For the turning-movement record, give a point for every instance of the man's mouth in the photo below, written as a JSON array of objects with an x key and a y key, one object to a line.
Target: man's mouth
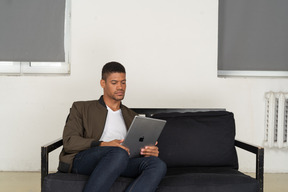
[{"x": 120, "y": 93}]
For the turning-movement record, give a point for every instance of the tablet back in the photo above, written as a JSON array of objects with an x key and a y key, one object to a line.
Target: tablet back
[{"x": 143, "y": 132}]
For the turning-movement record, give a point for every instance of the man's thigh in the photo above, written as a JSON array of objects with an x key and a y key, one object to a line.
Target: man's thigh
[
  {"x": 86, "y": 161},
  {"x": 137, "y": 165}
]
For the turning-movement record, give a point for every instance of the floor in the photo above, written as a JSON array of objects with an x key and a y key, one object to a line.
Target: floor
[{"x": 30, "y": 182}]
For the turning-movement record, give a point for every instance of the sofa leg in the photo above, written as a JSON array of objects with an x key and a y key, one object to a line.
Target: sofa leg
[{"x": 260, "y": 168}]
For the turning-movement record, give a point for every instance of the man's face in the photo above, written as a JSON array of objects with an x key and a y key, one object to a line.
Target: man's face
[{"x": 115, "y": 85}]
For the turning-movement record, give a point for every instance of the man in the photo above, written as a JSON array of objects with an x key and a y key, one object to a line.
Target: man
[{"x": 93, "y": 135}]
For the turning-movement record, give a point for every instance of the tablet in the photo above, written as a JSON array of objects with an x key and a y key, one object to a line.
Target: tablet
[{"x": 143, "y": 131}]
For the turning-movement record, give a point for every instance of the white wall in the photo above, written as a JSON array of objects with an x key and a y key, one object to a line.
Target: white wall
[{"x": 169, "y": 49}]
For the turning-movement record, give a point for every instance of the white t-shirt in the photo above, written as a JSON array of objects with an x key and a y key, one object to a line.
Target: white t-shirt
[{"x": 115, "y": 127}]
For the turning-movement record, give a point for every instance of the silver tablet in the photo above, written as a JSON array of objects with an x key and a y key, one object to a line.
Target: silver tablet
[{"x": 143, "y": 132}]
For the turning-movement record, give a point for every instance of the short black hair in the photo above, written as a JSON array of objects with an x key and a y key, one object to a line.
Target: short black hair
[{"x": 112, "y": 67}]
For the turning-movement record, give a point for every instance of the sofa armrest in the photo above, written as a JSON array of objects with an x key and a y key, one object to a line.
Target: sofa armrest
[
  {"x": 45, "y": 150},
  {"x": 259, "y": 152}
]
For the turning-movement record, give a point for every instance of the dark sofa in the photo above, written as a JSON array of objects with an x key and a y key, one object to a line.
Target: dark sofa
[{"x": 198, "y": 147}]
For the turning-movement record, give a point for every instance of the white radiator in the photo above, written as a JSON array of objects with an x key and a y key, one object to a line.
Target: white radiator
[{"x": 276, "y": 119}]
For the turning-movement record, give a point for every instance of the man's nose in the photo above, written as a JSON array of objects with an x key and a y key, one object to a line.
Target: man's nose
[{"x": 119, "y": 86}]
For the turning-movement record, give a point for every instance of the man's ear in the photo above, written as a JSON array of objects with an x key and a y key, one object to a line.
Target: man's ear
[{"x": 102, "y": 83}]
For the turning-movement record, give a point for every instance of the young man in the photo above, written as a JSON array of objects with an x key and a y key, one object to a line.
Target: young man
[{"x": 93, "y": 135}]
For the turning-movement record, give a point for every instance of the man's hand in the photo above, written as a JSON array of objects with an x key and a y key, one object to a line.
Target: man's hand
[
  {"x": 115, "y": 143},
  {"x": 150, "y": 151}
]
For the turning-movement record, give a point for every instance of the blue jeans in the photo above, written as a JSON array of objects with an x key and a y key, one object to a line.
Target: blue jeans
[{"x": 106, "y": 164}]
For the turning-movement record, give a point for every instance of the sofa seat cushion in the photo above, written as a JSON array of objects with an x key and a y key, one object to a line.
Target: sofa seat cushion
[
  {"x": 69, "y": 182},
  {"x": 196, "y": 179},
  {"x": 65, "y": 182},
  {"x": 207, "y": 179}
]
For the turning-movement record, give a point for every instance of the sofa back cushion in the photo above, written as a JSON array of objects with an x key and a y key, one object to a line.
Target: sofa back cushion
[{"x": 198, "y": 139}]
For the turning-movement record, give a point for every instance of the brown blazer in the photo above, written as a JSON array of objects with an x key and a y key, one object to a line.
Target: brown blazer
[{"x": 84, "y": 128}]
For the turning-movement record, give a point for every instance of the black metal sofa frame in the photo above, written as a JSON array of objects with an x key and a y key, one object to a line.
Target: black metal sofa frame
[{"x": 148, "y": 112}]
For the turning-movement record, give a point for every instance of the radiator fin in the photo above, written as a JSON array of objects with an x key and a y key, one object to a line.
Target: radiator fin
[{"x": 276, "y": 119}]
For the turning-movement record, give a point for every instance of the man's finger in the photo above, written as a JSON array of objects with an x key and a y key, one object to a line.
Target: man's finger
[
  {"x": 150, "y": 151},
  {"x": 125, "y": 148}
]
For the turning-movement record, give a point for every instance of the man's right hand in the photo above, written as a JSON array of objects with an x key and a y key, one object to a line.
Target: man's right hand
[{"x": 115, "y": 143}]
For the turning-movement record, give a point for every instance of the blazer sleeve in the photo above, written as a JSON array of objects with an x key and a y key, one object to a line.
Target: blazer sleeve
[{"x": 73, "y": 134}]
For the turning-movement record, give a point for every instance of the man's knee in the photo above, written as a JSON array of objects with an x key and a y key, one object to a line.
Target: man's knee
[
  {"x": 157, "y": 164},
  {"x": 161, "y": 165},
  {"x": 119, "y": 154}
]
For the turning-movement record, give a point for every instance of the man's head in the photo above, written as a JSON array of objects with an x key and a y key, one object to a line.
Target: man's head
[
  {"x": 113, "y": 82},
  {"x": 112, "y": 67}
]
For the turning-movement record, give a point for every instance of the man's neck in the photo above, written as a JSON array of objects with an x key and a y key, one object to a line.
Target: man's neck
[{"x": 112, "y": 104}]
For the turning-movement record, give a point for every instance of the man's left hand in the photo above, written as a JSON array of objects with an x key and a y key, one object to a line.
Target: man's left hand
[{"x": 150, "y": 151}]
